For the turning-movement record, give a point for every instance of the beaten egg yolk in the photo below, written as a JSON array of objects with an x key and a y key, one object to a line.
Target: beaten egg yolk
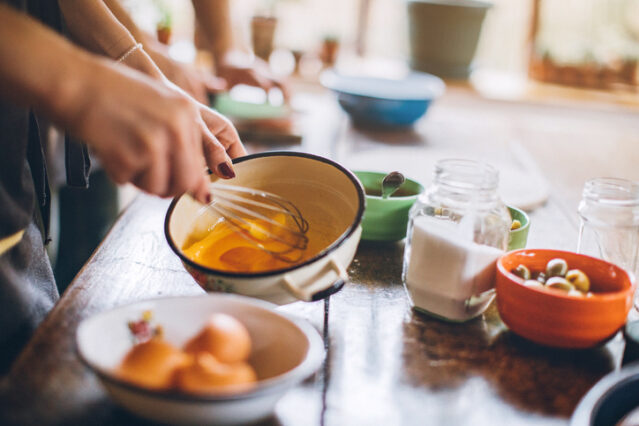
[{"x": 225, "y": 248}]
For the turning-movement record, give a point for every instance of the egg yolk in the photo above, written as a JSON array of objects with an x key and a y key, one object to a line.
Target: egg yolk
[
  {"x": 207, "y": 374},
  {"x": 152, "y": 364},
  {"x": 224, "y": 337},
  {"x": 228, "y": 249}
]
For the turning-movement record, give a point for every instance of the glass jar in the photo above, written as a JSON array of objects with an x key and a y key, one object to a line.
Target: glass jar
[
  {"x": 609, "y": 229},
  {"x": 457, "y": 229}
]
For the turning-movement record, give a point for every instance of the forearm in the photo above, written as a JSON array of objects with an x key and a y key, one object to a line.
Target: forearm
[
  {"x": 154, "y": 48},
  {"x": 39, "y": 68},
  {"x": 122, "y": 15},
  {"x": 92, "y": 24},
  {"x": 214, "y": 20}
]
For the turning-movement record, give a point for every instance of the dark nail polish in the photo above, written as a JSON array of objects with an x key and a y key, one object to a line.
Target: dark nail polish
[
  {"x": 208, "y": 198},
  {"x": 226, "y": 170}
]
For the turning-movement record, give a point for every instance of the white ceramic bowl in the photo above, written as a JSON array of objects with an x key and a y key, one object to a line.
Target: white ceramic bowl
[
  {"x": 284, "y": 352},
  {"x": 330, "y": 198}
]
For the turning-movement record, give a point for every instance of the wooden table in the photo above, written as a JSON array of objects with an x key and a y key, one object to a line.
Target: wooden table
[{"x": 386, "y": 364}]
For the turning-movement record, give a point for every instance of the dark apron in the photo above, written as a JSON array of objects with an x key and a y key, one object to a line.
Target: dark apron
[{"x": 27, "y": 287}]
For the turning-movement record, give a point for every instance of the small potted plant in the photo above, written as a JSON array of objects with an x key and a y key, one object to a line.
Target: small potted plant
[
  {"x": 165, "y": 23},
  {"x": 443, "y": 35},
  {"x": 329, "y": 49},
  {"x": 629, "y": 68},
  {"x": 263, "y": 26},
  {"x": 263, "y": 35}
]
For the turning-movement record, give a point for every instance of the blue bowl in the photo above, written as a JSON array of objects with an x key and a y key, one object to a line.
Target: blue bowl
[{"x": 380, "y": 102}]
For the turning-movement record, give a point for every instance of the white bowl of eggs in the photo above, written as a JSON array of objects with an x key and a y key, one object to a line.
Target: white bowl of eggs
[{"x": 220, "y": 359}]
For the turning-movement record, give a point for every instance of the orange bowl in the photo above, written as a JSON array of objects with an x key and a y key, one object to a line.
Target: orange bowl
[{"x": 555, "y": 319}]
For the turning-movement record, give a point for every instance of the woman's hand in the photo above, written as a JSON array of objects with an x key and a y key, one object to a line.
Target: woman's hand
[
  {"x": 217, "y": 130},
  {"x": 150, "y": 134},
  {"x": 196, "y": 83},
  {"x": 237, "y": 68},
  {"x": 225, "y": 132},
  {"x": 144, "y": 131}
]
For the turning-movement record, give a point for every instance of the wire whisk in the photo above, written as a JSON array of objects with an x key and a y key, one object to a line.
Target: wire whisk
[{"x": 270, "y": 222}]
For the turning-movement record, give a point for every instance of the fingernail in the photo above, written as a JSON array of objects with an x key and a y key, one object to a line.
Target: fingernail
[
  {"x": 208, "y": 198},
  {"x": 226, "y": 170},
  {"x": 209, "y": 171}
]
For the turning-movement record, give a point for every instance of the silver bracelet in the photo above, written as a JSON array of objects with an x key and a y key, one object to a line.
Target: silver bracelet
[{"x": 129, "y": 52}]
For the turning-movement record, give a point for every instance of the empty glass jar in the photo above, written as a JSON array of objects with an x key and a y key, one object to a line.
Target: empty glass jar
[
  {"x": 457, "y": 229},
  {"x": 609, "y": 212}
]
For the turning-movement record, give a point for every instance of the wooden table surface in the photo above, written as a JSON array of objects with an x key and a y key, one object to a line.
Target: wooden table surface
[{"x": 386, "y": 364}]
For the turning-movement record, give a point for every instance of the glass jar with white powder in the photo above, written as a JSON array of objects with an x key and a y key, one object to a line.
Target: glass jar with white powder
[{"x": 457, "y": 229}]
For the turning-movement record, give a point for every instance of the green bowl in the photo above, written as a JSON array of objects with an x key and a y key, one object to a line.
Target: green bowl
[
  {"x": 518, "y": 237},
  {"x": 228, "y": 106},
  {"x": 386, "y": 219}
]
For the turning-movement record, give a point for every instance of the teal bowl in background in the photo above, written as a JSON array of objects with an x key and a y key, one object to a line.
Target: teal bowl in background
[
  {"x": 384, "y": 102},
  {"x": 518, "y": 237},
  {"x": 386, "y": 219}
]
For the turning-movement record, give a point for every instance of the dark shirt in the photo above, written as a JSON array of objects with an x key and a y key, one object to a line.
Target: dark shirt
[
  {"x": 23, "y": 173},
  {"x": 27, "y": 286},
  {"x": 16, "y": 185}
]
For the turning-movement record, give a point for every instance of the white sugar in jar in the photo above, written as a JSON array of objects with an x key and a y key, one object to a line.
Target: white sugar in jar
[{"x": 457, "y": 230}]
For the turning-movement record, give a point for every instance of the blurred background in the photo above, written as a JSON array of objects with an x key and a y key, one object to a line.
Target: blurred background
[
  {"x": 581, "y": 43},
  {"x": 548, "y": 79}
]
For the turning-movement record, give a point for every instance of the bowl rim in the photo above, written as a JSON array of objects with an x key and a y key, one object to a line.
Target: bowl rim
[
  {"x": 325, "y": 252},
  {"x": 523, "y": 213},
  {"x": 590, "y": 404},
  {"x": 473, "y": 4},
  {"x": 315, "y": 356},
  {"x": 330, "y": 80},
  {"x": 606, "y": 296}
]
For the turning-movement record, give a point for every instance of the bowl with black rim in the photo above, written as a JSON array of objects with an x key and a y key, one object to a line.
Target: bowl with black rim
[
  {"x": 613, "y": 400},
  {"x": 328, "y": 196}
]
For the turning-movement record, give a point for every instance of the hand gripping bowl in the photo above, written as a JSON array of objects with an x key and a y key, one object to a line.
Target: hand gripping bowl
[
  {"x": 284, "y": 351},
  {"x": 329, "y": 197}
]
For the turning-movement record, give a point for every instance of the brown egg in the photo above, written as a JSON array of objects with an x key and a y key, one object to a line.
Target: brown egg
[
  {"x": 152, "y": 364},
  {"x": 224, "y": 337},
  {"x": 206, "y": 374}
]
